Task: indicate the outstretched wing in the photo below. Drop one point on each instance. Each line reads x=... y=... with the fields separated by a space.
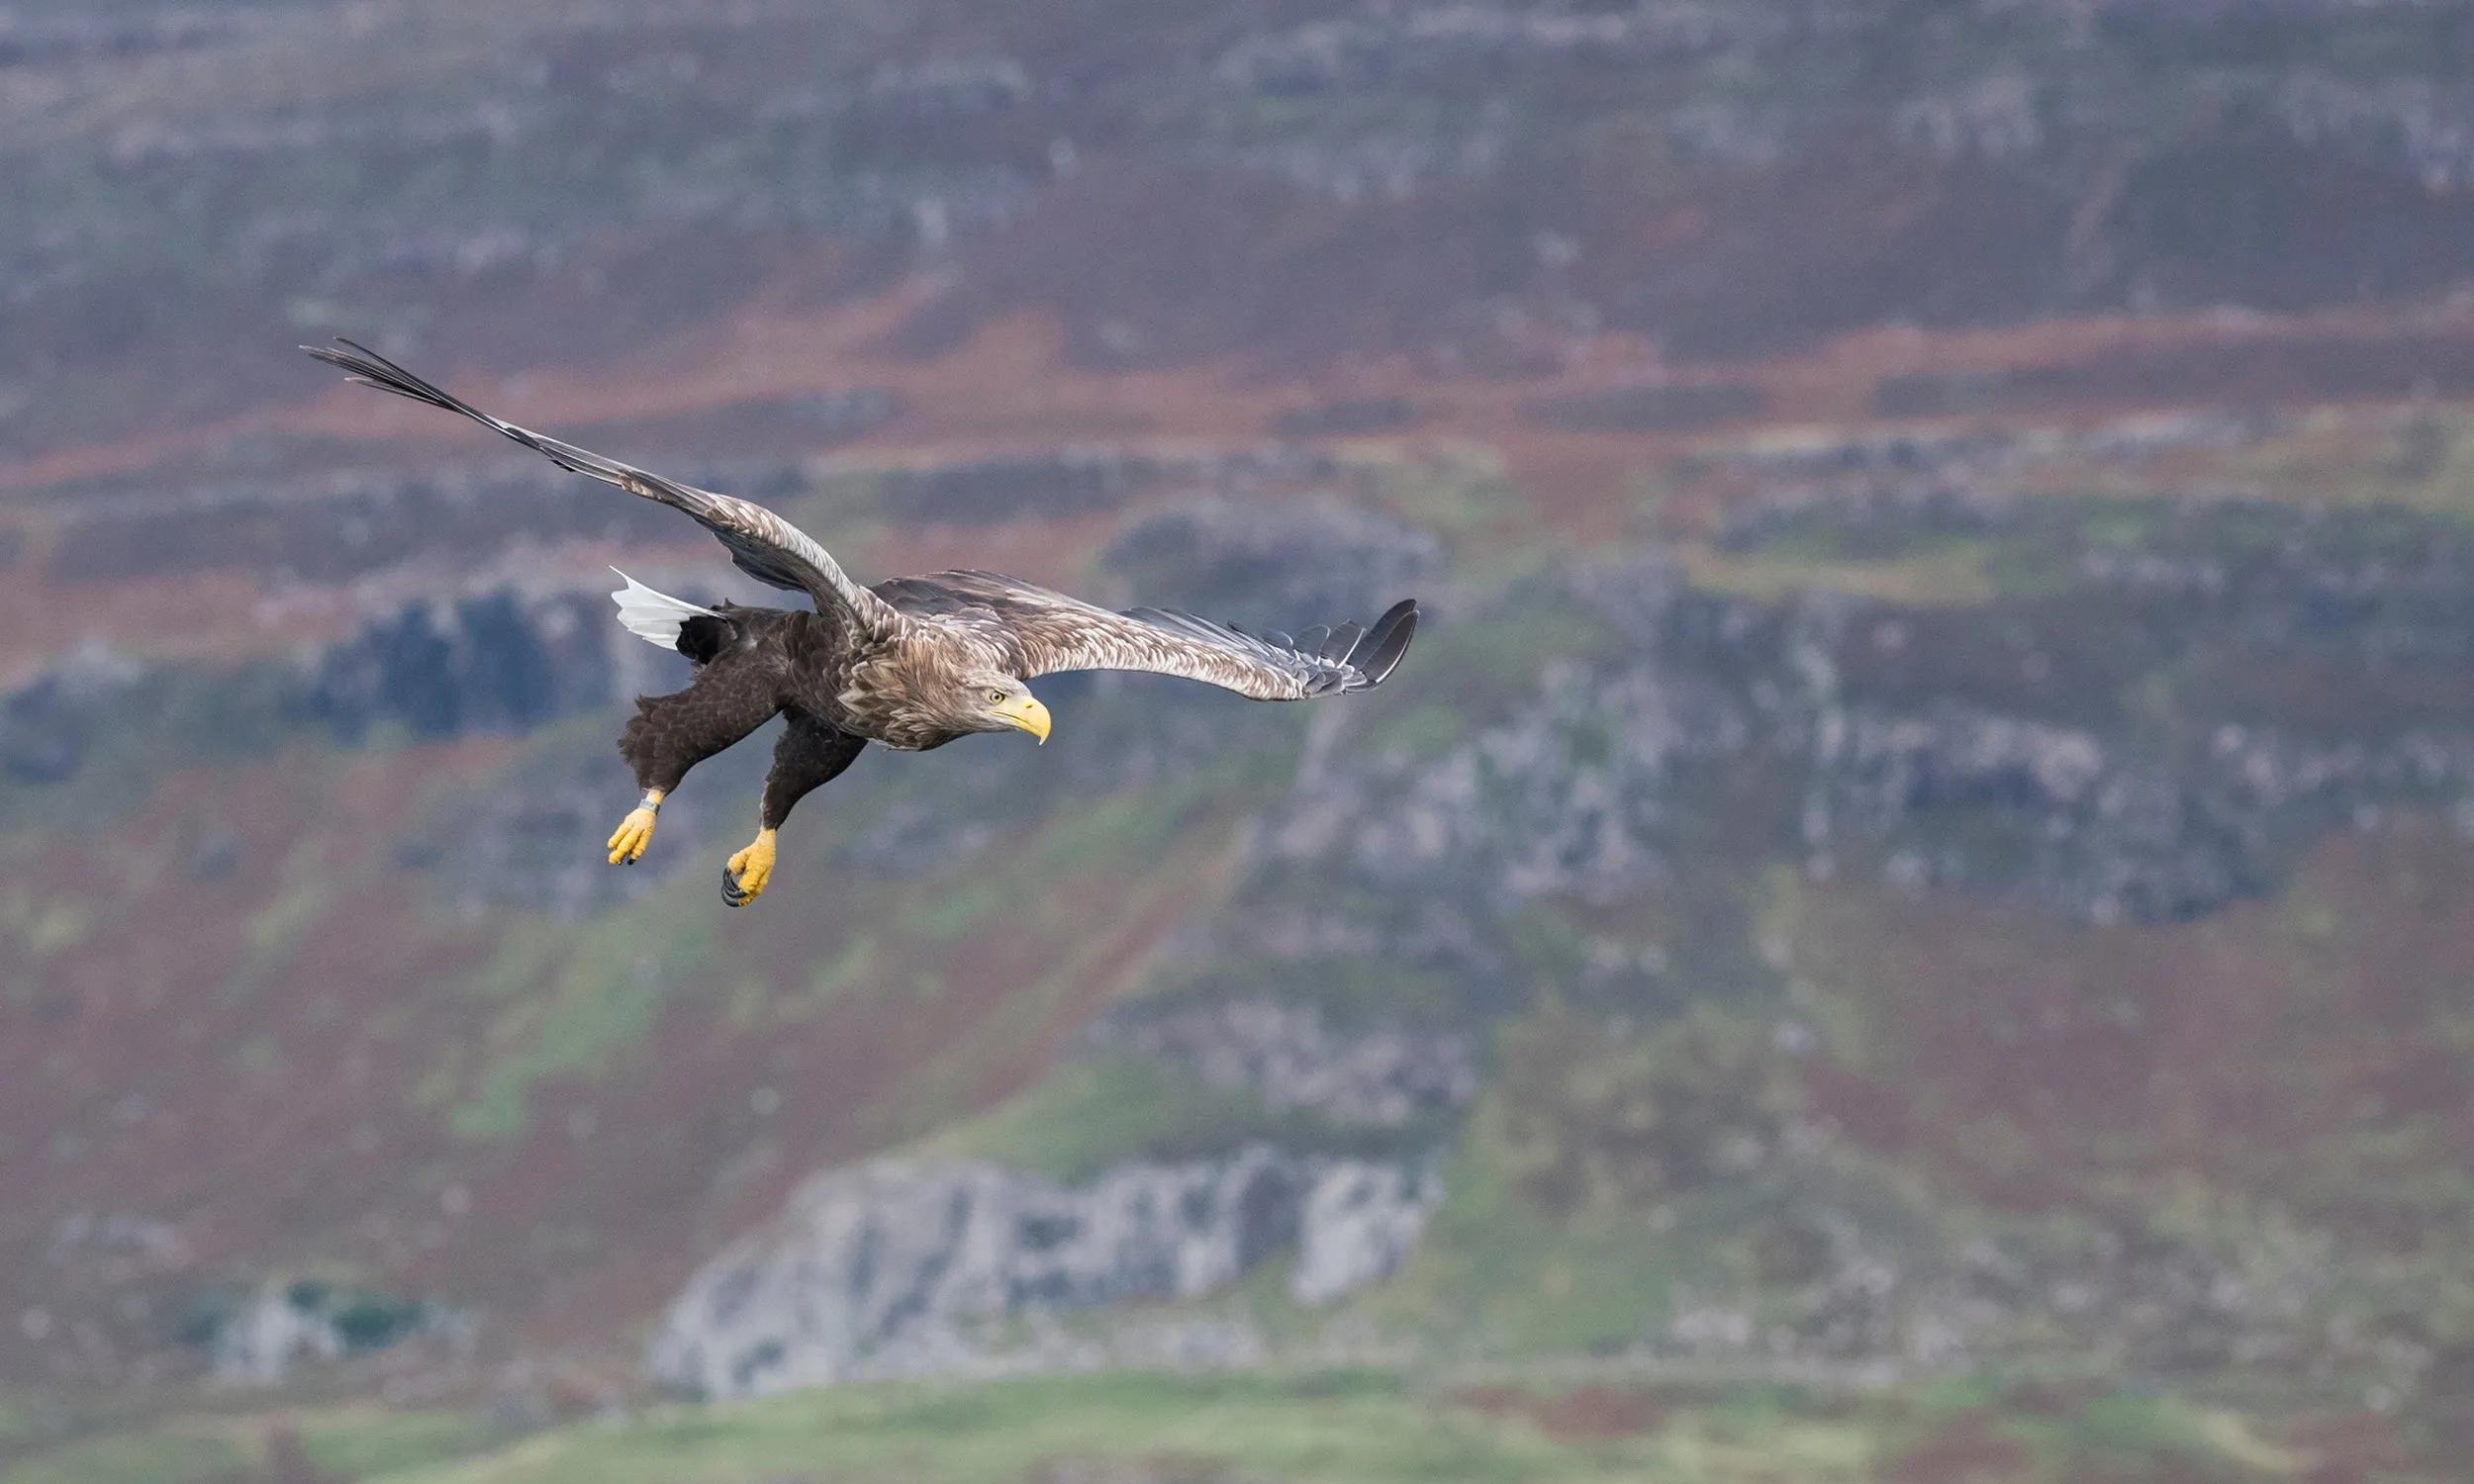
x=1049 y=632
x=762 y=544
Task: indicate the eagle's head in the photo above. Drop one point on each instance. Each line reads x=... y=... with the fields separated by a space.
x=941 y=685
x=995 y=702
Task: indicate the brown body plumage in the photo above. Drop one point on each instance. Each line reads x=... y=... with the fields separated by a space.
x=911 y=663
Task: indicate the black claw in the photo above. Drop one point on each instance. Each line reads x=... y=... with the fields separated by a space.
x=730 y=891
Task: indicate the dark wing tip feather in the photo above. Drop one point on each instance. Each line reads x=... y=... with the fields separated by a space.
x=1386 y=642
x=761 y=544
x=1342 y=660
x=1059 y=633
x=370 y=369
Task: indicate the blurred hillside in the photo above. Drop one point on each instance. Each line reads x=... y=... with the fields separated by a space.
x=1904 y=920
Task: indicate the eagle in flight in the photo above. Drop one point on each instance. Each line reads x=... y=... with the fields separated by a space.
x=911 y=663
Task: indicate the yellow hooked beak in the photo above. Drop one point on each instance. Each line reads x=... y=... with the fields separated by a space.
x=1027 y=713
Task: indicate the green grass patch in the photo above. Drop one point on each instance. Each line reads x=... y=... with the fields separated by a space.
x=1496 y=1268
x=2114 y=1427
x=1425 y=730
x=309 y=887
x=344 y=1445
x=957 y=912
x=1349 y=1425
x=1328 y=1425
x=1093 y=1113
x=2337 y=456
x=167 y=1456
x=172 y=718
x=1951 y=575
x=1128 y=826
x=363 y=1442
x=1352 y=991
x=1488 y=665
x=1463 y=494
x=572 y=1000
x=1106 y=1109
x=39 y=929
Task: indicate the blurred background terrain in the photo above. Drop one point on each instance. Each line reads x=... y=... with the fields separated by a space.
x=1908 y=918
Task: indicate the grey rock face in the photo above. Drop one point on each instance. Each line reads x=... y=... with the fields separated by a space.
x=1910 y=762
x=2105 y=835
x=2145 y=1302
x=259 y=1344
x=48 y=724
x=2112 y=837
x=502 y=661
x=1569 y=797
x=1361 y=1222
x=282 y=1323
x=901 y=1267
x=1934 y=755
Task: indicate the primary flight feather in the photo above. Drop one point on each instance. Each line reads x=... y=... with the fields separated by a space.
x=911 y=663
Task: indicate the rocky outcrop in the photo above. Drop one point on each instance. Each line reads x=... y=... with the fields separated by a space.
x=1361 y=1220
x=903 y=1267
x=48 y=724
x=260 y=1338
x=2113 y=838
x=502 y=661
x=919 y=149
x=1569 y=797
x=1992 y=752
x=2138 y=1301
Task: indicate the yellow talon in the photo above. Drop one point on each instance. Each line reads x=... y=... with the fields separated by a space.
x=634 y=833
x=743 y=880
x=628 y=842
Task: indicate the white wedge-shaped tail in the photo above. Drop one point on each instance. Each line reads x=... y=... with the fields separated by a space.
x=654 y=617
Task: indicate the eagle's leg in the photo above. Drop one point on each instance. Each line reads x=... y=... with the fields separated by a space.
x=809 y=756
x=670 y=734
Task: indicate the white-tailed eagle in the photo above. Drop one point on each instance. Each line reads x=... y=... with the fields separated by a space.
x=911 y=663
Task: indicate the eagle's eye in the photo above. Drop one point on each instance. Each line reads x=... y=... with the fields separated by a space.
x=994 y=696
